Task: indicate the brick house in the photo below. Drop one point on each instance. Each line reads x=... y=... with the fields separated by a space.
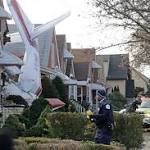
x=87 y=74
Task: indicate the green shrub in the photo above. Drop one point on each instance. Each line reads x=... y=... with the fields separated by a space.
x=71 y=107
x=13 y=123
x=31 y=115
x=42 y=127
x=117 y=100
x=89 y=131
x=128 y=129
x=67 y=125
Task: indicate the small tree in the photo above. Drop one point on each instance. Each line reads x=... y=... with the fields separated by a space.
x=49 y=89
x=60 y=86
x=117 y=100
x=31 y=115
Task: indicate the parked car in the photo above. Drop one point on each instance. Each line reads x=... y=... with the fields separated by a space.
x=144 y=109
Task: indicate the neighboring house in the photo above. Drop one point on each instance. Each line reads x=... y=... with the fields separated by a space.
x=140 y=80
x=87 y=74
x=116 y=73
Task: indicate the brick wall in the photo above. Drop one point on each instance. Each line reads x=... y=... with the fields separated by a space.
x=83 y=55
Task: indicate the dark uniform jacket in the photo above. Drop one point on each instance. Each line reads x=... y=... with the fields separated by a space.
x=104 y=118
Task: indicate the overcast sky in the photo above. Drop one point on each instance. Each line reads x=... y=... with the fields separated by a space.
x=80 y=29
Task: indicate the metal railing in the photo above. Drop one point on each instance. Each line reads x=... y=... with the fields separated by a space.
x=79 y=108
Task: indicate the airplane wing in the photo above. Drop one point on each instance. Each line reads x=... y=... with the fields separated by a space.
x=42 y=28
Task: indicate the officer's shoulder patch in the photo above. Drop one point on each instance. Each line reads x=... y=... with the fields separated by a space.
x=107 y=106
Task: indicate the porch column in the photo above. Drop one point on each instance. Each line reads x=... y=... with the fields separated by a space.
x=81 y=94
x=90 y=95
x=75 y=92
x=96 y=103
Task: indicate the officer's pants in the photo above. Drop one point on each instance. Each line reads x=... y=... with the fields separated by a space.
x=103 y=136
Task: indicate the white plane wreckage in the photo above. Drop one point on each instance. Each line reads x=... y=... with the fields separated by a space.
x=29 y=81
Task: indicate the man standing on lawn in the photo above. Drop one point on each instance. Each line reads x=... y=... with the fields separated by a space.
x=103 y=119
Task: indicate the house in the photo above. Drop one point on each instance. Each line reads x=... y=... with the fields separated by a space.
x=116 y=72
x=140 y=80
x=87 y=74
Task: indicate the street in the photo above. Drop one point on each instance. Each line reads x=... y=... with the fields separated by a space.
x=146 y=141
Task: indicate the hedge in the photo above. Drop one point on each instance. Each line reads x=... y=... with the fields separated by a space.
x=128 y=129
x=14 y=124
x=56 y=144
x=67 y=125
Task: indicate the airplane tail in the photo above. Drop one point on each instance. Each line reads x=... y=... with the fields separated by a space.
x=30 y=77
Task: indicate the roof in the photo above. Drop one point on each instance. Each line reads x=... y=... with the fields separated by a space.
x=95 y=65
x=81 y=71
x=68 y=55
x=117 y=68
x=61 y=45
x=4 y=14
x=143 y=77
x=9 y=59
x=16 y=46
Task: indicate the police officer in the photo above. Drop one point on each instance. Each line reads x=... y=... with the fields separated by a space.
x=103 y=119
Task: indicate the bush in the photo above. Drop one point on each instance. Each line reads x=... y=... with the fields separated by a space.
x=20 y=145
x=31 y=115
x=128 y=130
x=89 y=131
x=42 y=127
x=67 y=125
x=56 y=144
x=13 y=123
x=117 y=100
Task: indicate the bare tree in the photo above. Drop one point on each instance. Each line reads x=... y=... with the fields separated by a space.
x=133 y=15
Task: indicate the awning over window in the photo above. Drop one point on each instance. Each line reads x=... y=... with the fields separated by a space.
x=55 y=103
